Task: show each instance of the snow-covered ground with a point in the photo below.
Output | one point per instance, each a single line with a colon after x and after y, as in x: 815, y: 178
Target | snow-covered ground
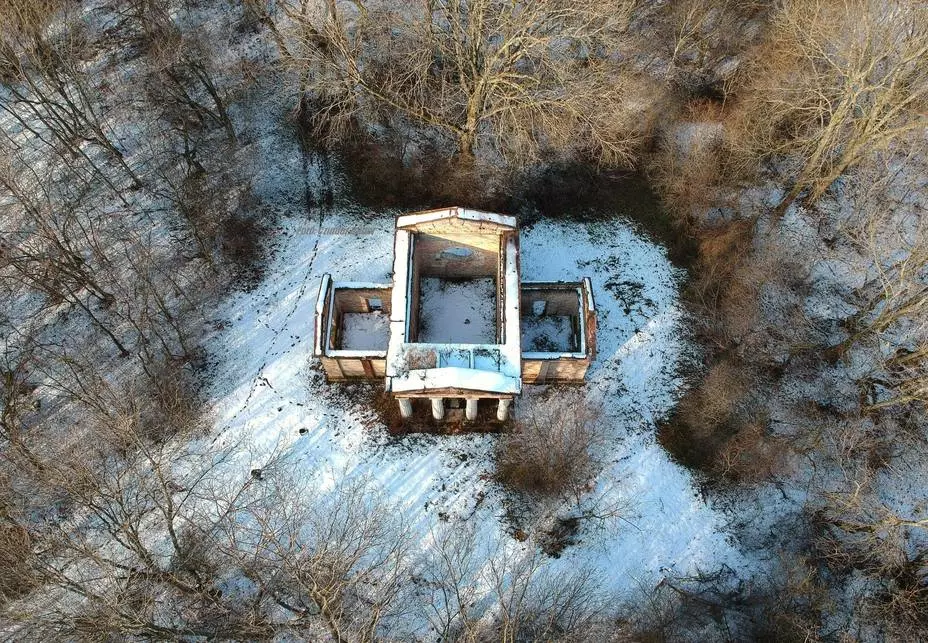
x: 457, y: 312
x: 365, y: 331
x: 270, y: 395
x: 547, y: 333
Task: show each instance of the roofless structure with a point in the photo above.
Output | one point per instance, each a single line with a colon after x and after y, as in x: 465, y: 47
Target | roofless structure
x: 457, y: 324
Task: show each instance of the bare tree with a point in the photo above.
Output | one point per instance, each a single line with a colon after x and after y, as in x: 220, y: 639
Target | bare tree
x: 891, y: 235
x: 837, y: 82
x: 894, y: 240
x: 46, y: 88
x: 861, y: 531
x: 464, y: 579
x: 514, y: 77
x: 157, y: 527
x: 704, y: 40
x: 338, y: 560
x: 792, y: 603
x: 535, y: 605
x: 448, y: 581
x: 76, y: 252
x: 58, y: 252
x: 17, y: 401
x: 677, y: 605
x: 183, y: 75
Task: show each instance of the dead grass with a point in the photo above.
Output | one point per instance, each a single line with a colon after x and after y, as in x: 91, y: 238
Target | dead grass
x: 702, y: 423
x: 242, y: 243
x: 717, y: 283
x: 560, y: 536
x: 720, y: 426
x: 383, y: 174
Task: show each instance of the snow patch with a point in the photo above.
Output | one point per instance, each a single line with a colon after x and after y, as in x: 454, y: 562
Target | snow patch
x: 365, y: 331
x: 457, y: 312
x: 547, y: 334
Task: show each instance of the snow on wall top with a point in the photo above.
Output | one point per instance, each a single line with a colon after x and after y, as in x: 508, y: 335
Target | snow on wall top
x: 457, y: 377
x: 511, y: 349
x: 409, y: 220
x: 402, y: 246
x: 361, y: 285
x: 320, y: 307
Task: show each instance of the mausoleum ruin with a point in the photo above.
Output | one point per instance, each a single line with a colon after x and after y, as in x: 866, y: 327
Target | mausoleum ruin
x: 457, y: 323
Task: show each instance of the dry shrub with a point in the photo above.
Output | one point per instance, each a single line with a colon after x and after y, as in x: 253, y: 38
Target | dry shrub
x: 705, y: 110
x: 679, y: 606
x: 150, y: 411
x: 783, y: 327
x: 702, y: 423
x: 722, y: 251
x: 738, y: 314
x: 195, y: 554
x: 713, y: 402
x: 857, y: 533
x: 392, y: 173
x: 903, y: 603
x: 852, y: 441
x: 174, y: 394
x: 726, y: 283
x: 689, y: 166
x: 552, y: 449
x: 716, y: 428
x: 171, y: 405
x: 751, y: 455
x: 16, y: 574
x: 791, y: 607
x: 686, y: 184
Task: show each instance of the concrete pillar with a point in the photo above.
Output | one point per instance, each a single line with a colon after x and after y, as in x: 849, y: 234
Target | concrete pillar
x: 470, y: 411
x: 502, y: 411
x: 438, y: 407
x: 405, y: 407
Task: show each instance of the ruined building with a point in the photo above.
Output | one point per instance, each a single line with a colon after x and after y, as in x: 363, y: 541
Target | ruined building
x: 457, y: 323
